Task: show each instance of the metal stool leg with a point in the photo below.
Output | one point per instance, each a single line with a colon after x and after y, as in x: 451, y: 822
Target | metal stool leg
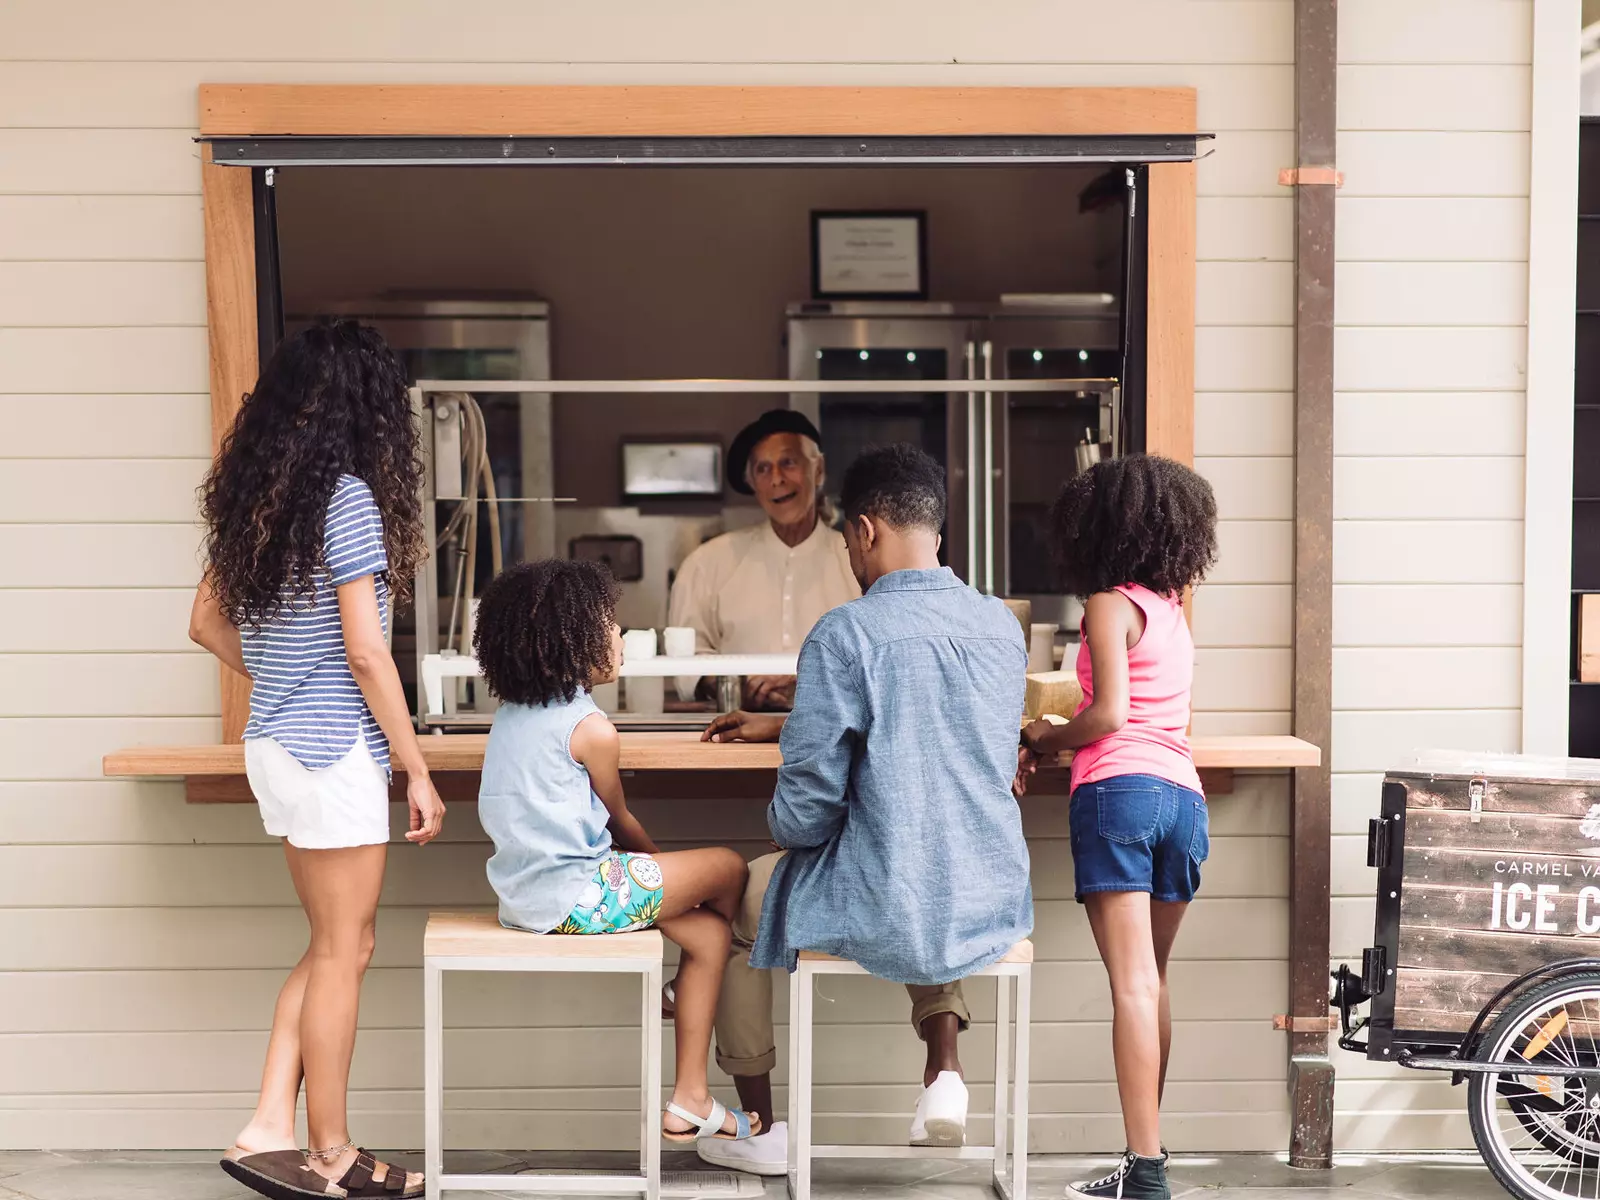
x: 650, y: 1105
x: 1019, y: 1148
x: 801, y: 986
x: 1002, y: 1064
x: 432, y: 1077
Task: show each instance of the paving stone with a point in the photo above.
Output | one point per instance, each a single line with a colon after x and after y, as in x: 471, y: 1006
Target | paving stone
x: 127, y: 1181
x: 14, y: 1162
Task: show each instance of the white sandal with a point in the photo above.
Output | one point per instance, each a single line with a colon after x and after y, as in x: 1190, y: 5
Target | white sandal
x: 745, y: 1125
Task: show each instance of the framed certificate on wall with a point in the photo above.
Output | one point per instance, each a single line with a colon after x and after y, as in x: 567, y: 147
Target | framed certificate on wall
x: 869, y: 256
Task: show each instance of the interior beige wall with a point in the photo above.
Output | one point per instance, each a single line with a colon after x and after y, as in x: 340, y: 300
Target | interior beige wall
x: 669, y: 272
x: 141, y: 940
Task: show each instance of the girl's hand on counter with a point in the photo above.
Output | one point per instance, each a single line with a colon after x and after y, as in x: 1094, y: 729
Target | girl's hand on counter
x: 427, y: 810
x: 743, y: 727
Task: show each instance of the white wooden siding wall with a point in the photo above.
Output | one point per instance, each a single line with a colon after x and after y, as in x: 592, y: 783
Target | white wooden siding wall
x: 1431, y: 310
x: 141, y: 941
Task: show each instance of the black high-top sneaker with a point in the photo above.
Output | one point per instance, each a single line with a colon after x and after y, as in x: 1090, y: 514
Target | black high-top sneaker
x: 1135, y: 1178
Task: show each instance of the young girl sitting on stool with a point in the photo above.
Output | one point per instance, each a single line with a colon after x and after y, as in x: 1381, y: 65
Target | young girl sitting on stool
x: 1132, y: 535
x: 569, y: 857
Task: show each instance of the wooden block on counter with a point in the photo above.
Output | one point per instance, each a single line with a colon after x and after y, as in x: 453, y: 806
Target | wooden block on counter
x: 1022, y: 610
x: 1589, y: 639
x: 1052, y: 692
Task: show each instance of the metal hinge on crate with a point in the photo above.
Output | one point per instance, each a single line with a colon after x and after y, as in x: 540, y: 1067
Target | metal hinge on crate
x: 1475, y: 791
x: 1288, y: 1024
x: 1295, y: 176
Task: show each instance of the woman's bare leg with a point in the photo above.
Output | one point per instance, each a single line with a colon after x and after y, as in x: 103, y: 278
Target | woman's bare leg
x: 1165, y: 917
x: 701, y: 890
x: 271, y: 1127
x: 341, y: 899
x: 1121, y: 924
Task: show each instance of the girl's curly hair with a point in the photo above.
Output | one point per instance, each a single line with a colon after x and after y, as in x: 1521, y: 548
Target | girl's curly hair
x: 331, y: 401
x: 1140, y: 519
x: 544, y: 630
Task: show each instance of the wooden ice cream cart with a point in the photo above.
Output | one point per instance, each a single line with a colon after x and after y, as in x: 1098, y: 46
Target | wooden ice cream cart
x: 1486, y: 955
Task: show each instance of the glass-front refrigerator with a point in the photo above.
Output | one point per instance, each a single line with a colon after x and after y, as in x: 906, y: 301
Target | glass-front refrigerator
x: 910, y: 343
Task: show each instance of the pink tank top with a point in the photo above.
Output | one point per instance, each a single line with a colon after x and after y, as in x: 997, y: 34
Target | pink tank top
x: 1155, y: 740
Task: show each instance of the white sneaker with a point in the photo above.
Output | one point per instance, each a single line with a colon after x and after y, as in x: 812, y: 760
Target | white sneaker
x: 941, y: 1118
x: 767, y: 1153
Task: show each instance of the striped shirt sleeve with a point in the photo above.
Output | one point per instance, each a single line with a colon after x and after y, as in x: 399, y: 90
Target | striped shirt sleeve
x: 353, y: 538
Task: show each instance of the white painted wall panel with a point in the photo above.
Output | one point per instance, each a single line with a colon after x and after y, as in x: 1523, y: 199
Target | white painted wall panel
x: 1427, y: 551
x: 1434, y: 164
x: 1432, y: 228
x: 1433, y: 488
x: 1453, y: 614
x: 1454, y: 293
x: 99, y: 209
x: 1380, y: 359
x: 1411, y: 677
x: 1462, y: 97
x: 1436, y: 31
x: 1382, y: 424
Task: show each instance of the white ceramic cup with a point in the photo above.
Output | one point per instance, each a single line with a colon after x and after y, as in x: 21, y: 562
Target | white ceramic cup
x: 678, y: 641
x: 644, y: 695
x: 1041, y: 648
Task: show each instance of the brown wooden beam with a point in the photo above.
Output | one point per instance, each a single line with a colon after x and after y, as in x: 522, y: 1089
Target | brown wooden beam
x: 1310, y: 1067
x: 229, y: 214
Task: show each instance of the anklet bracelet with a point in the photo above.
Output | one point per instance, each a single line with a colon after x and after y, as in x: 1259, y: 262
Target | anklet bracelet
x: 330, y: 1154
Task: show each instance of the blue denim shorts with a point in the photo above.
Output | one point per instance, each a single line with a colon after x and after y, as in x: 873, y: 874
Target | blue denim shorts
x: 1139, y: 833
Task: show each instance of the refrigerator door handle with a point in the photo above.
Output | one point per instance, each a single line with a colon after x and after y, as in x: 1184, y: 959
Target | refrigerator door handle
x: 991, y: 520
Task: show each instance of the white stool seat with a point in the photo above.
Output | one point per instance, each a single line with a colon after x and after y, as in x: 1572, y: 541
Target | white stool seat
x: 1010, y: 1172
x: 476, y: 941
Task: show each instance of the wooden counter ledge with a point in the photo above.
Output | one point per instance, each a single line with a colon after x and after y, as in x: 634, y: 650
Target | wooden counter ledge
x: 216, y: 773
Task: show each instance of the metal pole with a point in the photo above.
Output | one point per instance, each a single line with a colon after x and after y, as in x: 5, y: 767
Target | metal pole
x: 1310, y: 1068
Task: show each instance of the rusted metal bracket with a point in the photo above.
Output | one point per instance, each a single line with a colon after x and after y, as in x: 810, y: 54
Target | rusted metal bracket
x: 1296, y: 176
x: 1284, y: 1023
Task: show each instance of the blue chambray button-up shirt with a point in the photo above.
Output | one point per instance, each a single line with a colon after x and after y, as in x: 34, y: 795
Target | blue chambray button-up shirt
x: 905, y: 847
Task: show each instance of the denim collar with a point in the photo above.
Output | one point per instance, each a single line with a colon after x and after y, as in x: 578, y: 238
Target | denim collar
x: 934, y: 580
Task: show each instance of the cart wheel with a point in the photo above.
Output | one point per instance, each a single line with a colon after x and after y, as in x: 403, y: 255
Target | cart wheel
x: 1540, y: 1134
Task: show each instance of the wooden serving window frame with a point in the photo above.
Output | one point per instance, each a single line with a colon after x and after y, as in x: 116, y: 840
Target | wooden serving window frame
x: 473, y: 111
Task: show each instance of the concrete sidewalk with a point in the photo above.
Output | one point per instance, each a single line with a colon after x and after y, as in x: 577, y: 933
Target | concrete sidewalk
x: 194, y: 1175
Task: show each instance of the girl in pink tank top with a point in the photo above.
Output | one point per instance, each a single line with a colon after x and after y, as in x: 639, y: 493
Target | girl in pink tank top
x: 1132, y: 535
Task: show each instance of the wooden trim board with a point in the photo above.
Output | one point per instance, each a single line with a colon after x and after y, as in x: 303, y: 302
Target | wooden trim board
x: 467, y: 110
x: 357, y: 110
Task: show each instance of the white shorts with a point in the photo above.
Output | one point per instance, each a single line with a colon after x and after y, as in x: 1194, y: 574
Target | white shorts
x: 332, y: 808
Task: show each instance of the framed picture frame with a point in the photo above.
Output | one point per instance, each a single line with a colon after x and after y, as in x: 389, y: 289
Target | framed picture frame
x: 869, y: 255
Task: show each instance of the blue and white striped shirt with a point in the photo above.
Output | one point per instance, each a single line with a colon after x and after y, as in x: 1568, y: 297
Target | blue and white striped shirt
x: 304, y: 696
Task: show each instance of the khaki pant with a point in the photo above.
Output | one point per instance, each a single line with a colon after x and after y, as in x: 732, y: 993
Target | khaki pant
x: 746, y: 1044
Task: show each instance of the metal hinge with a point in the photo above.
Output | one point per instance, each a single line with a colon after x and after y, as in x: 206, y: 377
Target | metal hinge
x: 1378, y: 842
x: 1475, y: 791
x: 1287, y: 1024
x: 1296, y: 176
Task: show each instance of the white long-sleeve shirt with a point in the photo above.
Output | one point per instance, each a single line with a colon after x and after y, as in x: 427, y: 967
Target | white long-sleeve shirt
x: 745, y: 592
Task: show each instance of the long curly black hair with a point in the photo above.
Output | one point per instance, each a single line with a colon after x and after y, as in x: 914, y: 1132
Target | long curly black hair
x: 331, y: 401
x: 544, y: 630
x: 1141, y: 519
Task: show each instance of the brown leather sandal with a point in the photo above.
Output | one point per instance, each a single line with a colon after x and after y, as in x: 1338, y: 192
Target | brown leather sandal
x: 286, y: 1175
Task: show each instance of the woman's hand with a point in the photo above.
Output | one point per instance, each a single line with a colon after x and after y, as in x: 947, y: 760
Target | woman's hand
x: 427, y: 810
x: 743, y: 727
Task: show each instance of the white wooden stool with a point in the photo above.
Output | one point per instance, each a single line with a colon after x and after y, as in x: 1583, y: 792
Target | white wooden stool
x: 476, y: 941
x: 1010, y: 1179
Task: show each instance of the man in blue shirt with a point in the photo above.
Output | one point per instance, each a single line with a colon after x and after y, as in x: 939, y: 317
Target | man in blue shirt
x: 903, y: 846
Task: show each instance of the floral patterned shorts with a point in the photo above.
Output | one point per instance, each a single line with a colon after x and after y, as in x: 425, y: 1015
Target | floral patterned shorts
x: 624, y: 894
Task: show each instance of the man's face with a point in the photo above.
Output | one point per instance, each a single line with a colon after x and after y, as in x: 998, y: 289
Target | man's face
x: 785, y: 477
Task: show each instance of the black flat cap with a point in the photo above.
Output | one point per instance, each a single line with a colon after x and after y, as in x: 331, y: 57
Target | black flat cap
x: 777, y: 420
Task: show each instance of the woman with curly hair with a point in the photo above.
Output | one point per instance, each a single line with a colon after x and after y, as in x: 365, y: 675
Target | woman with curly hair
x: 569, y: 858
x: 313, y: 525
x: 1132, y: 535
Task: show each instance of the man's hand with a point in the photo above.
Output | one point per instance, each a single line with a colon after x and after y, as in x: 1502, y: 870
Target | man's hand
x: 1027, y: 764
x: 769, y: 691
x: 743, y: 727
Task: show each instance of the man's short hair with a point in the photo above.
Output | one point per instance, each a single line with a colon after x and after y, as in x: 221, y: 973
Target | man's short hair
x: 899, y: 485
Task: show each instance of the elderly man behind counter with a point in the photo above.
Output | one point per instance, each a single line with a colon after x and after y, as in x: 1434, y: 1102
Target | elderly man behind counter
x: 760, y: 590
